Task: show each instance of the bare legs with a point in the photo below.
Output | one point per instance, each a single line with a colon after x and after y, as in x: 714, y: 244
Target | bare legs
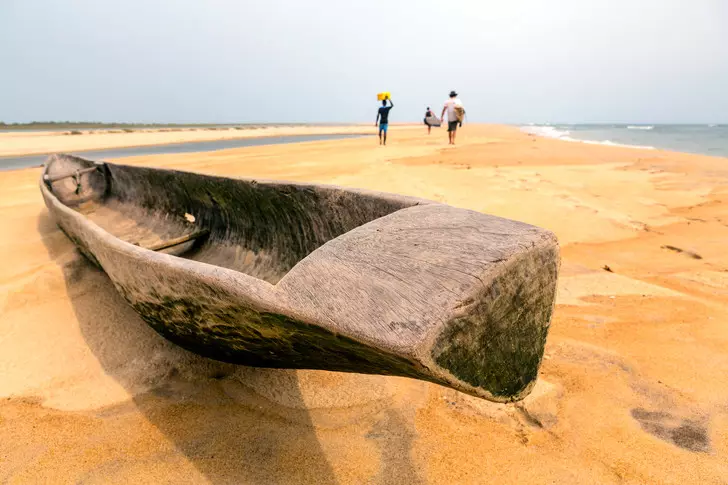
x: 451, y: 136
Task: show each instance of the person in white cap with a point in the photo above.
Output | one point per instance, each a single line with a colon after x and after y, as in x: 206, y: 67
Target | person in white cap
x: 452, y: 106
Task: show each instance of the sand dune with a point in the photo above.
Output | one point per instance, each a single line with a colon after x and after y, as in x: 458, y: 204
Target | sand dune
x: 632, y: 388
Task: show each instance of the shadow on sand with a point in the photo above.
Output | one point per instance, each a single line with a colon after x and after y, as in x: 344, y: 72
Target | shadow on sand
x: 229, y: 433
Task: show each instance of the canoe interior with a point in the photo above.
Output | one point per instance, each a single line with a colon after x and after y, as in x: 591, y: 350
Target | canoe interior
x: 261, y: 229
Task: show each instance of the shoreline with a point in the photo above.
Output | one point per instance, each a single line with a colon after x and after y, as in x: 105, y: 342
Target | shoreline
x: 66, y: 126
x: 541, y: 131
x: 261, y: 131
x: 57, y: 141
x: 704, y: 139
x: 175, y: 148
x: 19, y: 144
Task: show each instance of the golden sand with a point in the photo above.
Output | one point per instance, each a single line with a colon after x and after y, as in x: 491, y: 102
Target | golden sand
x: 633, y: 387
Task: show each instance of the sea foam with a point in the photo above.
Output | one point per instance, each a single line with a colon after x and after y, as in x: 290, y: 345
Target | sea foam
x: 563, y: 134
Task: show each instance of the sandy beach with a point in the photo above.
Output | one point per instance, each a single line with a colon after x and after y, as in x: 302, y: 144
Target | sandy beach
x: 632, y: 389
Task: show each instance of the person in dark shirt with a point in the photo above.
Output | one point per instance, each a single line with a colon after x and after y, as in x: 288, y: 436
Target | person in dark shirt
x: 383, y: 120
x: 428, y: 114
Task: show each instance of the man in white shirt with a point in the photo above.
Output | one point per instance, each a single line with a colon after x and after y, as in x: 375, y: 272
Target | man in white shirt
x: 452, y: 117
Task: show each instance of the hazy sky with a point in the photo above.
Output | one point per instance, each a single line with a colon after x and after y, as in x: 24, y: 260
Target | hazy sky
x: 220, y: 61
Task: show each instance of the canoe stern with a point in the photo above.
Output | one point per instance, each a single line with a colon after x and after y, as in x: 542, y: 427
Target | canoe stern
x: 494, y: 344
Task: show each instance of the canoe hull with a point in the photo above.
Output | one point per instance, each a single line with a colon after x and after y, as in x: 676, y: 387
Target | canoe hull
x: 378, y: 283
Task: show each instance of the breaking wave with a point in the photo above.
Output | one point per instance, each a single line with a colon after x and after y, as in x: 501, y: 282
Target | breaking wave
x: 564, y: 135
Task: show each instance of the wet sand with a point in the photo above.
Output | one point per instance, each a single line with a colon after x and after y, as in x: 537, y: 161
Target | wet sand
x: 633, y: 386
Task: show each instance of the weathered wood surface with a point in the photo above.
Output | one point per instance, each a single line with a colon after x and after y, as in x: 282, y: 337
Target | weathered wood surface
x: 77, y: 173
x: 177, y: 241
x: 320, y: 277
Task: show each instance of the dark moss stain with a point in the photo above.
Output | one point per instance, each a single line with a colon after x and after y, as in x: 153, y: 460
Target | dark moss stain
x: 282, y: 222
x: 499, y: 344
x: 231, y: 333
x: 257, y: 228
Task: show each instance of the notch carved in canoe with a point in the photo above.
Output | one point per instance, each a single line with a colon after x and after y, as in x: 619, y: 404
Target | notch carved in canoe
x: 176, y: 241
x: 277, y: 274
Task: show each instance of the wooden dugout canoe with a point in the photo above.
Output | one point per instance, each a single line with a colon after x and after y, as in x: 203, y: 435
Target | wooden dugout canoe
x: 276, y: 274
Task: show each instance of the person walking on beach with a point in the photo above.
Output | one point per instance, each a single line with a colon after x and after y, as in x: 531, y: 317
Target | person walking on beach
x: 455, y: 113
x: 383, y: 120
x: 428, y: 115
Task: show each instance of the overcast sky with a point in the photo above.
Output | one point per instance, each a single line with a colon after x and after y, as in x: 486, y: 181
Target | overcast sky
x: 513, y: 61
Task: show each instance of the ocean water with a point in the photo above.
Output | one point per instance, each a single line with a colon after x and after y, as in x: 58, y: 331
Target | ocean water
x: 702, y: 139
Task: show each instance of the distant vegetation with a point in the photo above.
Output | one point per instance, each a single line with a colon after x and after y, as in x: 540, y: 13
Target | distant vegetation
x: 129, y: 127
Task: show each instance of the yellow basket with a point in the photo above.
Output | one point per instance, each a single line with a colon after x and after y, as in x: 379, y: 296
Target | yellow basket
x: 383, y: 96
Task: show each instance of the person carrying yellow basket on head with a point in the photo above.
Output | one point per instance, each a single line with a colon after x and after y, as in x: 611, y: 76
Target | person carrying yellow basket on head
x: 383, y: 116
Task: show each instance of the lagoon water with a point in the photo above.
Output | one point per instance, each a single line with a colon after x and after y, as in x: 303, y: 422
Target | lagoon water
x: 7, y: 163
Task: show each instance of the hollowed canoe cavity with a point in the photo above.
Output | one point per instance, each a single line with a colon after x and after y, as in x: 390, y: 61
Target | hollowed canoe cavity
x: 261, y: 229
